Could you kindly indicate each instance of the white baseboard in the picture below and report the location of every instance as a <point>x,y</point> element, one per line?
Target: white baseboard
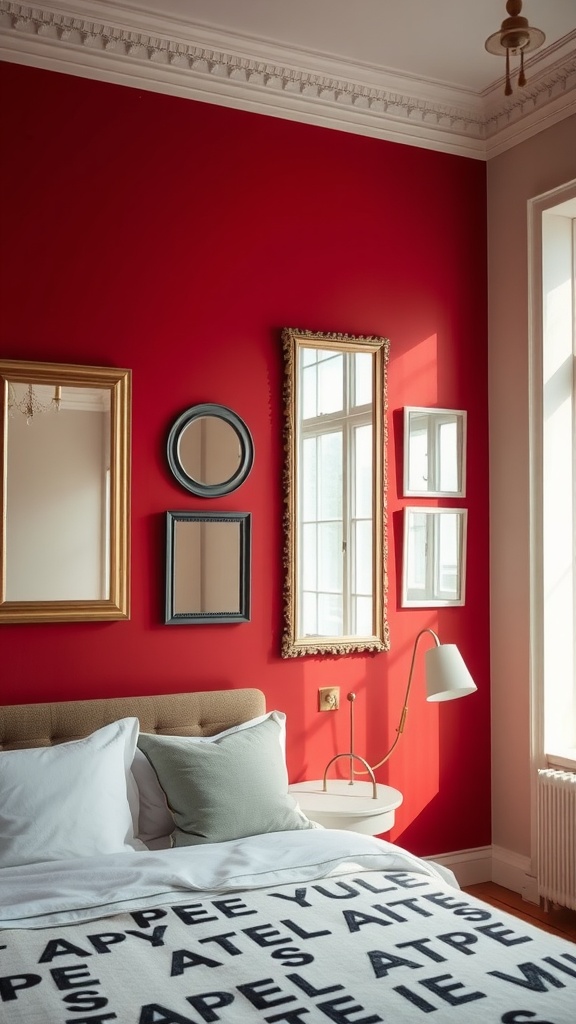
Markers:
<point>469,866</point>
<point>513,871</point>
<point>492,864</point>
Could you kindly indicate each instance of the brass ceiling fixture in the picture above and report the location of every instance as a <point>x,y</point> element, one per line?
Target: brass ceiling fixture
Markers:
<point>515,36</point>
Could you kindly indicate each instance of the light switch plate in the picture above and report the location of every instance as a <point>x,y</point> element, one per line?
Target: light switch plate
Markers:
<point>329,698</point>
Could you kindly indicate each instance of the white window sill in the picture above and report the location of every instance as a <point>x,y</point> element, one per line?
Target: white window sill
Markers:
<point>564,760</point>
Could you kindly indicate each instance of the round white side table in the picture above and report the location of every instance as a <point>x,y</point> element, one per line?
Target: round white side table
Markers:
<point>351,807</point>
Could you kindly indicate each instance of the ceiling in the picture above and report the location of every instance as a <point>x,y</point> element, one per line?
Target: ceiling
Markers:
<point>442,40</point>
<point>410,70</point>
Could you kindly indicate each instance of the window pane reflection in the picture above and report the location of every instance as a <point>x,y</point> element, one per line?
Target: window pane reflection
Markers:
<point>336,499</point>
<point>363,471</point>
<point>330,556</point>
<point>363,558</point>
<point>363,616</point>
<point>329,476</point>
<point>322,383</point>
<point>448,556</point>
<point>330,615</point>
<point>362,379</point>
<point>448,445</point>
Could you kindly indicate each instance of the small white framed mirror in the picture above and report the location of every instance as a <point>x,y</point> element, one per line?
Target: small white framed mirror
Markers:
<point>434,557</point>
<point>434,452</point>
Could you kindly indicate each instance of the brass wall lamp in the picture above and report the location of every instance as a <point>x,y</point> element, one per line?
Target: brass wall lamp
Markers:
<point>447,678</point>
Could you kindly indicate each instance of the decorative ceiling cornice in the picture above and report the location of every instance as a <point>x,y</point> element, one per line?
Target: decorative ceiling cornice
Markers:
<point>233,71</point>
<point>549,96</point>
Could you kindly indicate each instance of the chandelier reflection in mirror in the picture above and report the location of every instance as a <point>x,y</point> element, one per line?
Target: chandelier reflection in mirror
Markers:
<point>33,400</point>
<point>335,547</point>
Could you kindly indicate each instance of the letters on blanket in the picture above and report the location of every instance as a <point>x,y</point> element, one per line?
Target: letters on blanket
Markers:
<point>363,948</point>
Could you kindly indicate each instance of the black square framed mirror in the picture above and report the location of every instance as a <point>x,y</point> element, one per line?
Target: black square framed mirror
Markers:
<point>207,567</point>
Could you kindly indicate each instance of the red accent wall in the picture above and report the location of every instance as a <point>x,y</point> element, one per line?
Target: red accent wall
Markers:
<point>177,239</point>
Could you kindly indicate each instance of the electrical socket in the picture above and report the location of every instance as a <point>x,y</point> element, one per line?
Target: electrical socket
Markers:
<point>329,698</point>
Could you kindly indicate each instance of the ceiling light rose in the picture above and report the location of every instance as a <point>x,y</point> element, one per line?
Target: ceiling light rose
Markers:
<point>515,36</point>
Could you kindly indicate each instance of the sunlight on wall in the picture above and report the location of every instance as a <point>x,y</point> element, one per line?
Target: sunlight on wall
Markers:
<point>420,376</point>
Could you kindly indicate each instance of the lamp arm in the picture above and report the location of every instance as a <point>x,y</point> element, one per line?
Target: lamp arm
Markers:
<point>404,712</point>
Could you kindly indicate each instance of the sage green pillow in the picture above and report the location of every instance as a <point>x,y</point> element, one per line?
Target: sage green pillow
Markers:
<point>227,786</point>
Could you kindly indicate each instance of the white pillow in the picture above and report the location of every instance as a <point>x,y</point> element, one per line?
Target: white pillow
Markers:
<point>69,800</point>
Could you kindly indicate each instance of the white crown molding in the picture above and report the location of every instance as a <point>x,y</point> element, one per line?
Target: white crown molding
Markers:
<point>549,97</point>
<point>123,46</point>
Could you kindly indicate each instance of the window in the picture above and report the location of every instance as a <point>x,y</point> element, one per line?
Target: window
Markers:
<point>553,444</point>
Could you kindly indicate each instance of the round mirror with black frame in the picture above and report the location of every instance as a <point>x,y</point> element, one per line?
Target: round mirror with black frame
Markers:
<point>210,450</point>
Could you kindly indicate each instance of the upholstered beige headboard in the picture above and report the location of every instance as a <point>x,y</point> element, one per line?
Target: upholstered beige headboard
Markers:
<point>181,714</point>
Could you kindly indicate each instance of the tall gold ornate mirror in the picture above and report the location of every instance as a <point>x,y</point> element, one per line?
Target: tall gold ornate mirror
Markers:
<point>64,492</point>
<point>335,493</point>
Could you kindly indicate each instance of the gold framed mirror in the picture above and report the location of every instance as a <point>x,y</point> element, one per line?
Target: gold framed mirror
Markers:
<point>64,492</point>
<point>335,546</point>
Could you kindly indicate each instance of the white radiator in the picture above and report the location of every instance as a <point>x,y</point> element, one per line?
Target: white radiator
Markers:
<point>557,837</point>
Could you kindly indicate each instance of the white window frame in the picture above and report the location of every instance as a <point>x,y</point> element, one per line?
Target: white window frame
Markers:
<point>552,654</point>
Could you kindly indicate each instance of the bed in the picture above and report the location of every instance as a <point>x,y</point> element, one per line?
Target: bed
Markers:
<point>155,870</point>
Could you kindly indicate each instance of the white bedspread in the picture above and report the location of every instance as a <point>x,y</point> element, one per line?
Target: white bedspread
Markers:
<point>298,927</point>
<point>59,892</point>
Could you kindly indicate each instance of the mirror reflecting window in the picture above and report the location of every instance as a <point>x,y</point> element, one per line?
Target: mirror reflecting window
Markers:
<point>64,551</point>
<point>434,563</point>
<point>210,450</point>
<point>335,471</point>
<point>207,567</point>
<point>434,452</point>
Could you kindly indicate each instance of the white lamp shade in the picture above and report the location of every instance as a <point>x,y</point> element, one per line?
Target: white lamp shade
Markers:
<point>446,674</point>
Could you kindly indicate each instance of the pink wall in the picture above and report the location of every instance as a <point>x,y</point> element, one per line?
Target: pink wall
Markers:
<point>177,239</point>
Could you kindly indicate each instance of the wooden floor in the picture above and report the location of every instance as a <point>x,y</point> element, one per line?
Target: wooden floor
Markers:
<point>558,920</point>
